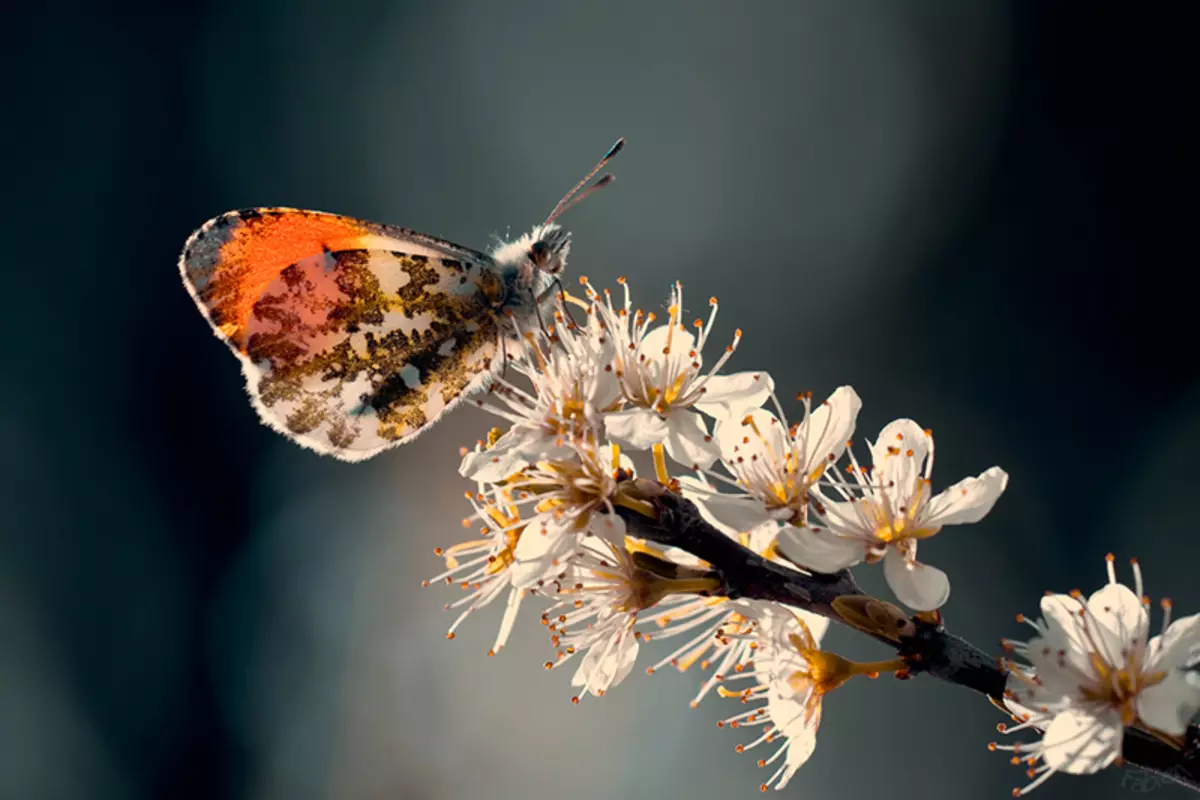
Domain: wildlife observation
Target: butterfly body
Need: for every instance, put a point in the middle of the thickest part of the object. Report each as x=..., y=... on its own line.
x=355, y=336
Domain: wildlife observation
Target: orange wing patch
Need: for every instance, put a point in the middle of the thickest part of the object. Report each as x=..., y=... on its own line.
x=230, y=261
x=353, y=336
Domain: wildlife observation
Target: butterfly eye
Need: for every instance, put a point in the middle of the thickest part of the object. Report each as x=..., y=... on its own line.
x=539, y=253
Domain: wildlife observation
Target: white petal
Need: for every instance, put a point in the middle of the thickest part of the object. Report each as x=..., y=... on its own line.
x=801, y=735
x=539, y=555
x=820, y=551
x=1059, y=678
x=969, y=500
x=607, y=389
x=855, y=519
x=899, y=456
x=785, y=706
x=688, y=442
x=681, y=345
x=761, y=538
x=777, y=657
x=1178, y=645
x=1026, y=699
x=758, y=434
x=919, y=586
x=728, y=396
x=636, y=428
x=1064, y=631
x=735, y=513
x=1079, y=744
x=607, y=526
x=1169, y=706
x=1124, y=621
x=822, y=437
x=698, y=492
x=516, y=449
x=606, y=663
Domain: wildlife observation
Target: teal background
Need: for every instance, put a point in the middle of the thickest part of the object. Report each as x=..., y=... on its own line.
x=981, y=215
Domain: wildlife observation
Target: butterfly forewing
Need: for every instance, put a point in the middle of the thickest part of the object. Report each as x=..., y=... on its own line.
x=353, y=336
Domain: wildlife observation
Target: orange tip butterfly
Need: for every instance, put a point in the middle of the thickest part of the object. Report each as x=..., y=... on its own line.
x=356, y=336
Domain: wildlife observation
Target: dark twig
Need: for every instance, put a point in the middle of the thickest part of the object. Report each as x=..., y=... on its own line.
x=921, y=640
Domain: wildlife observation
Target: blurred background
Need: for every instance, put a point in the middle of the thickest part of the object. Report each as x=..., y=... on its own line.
x=979, y=214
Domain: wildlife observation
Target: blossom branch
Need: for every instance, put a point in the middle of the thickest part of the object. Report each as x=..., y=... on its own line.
x=922, y=641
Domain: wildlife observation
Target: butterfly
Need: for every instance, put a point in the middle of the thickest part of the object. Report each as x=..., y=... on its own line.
x=356, y=336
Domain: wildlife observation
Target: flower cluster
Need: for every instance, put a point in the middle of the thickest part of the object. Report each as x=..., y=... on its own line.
x=1092, y=671
x=603, y=381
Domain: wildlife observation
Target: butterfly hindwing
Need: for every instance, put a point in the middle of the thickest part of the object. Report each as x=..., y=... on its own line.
x=353, y=336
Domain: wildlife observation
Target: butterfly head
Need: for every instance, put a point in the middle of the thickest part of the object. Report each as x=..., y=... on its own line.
x=543, y=250
x=548, y=244
x=548, y=249
x=537, y=259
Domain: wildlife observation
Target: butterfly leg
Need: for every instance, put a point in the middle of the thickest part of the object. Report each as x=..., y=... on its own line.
x=562, y=292
x=537, y=308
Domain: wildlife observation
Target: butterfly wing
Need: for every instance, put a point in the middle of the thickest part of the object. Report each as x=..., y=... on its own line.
x=353, y=336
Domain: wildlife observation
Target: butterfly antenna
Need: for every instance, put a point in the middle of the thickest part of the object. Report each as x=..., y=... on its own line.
x=569, y=199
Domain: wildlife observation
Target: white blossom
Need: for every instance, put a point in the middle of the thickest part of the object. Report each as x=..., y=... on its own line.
x=719, y=630
x=569, y=497
x=774, y=466
x=1093, y=671
x=553, y=496
x=572, y=389
x=786, y=695
x=887, y=510
x=599, y=600
x=664, y=384
x=482, y=567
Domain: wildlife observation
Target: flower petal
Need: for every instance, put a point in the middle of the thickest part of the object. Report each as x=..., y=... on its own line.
x=1058, y=675
x=1029, y=700
x=899, y=455
x=518, y=448
x=761, y=539
x=969, y=500
x=539, y=552
x=856, y=519
x=919, y=586
x=636, y=428
x=1060, y=616
x=609, y=527
x=820, y=550
x=664, y=348
x=607, y=663
x=1123, y=620
x=1079, y=743
x=1169, y=706
x=727, y=396
x=792, y=721
x=758, y=434
x=1177, y=646
x=734, y=513
x=821, y=438
x=688, y=442
x=605, y=391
